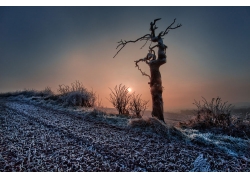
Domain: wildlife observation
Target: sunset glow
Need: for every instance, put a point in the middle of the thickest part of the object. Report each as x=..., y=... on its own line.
x=48, y=46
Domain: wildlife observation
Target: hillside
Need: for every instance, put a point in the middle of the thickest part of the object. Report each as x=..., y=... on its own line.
x=35, y=137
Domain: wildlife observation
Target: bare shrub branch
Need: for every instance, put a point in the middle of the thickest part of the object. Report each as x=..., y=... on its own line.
x=120, y=98
x=137, y=106
x=214, y=113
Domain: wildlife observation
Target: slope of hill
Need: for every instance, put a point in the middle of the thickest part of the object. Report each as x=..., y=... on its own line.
x=35, y=137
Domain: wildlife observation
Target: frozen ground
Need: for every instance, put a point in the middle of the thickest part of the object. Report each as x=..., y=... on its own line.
x=34, y=137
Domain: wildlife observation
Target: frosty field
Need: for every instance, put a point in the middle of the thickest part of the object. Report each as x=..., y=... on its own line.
x=38, y=137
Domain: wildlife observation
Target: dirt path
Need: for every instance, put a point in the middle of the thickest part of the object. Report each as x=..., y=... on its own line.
x=35, y=138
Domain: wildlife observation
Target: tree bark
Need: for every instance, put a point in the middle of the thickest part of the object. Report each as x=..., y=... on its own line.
x=156, y=90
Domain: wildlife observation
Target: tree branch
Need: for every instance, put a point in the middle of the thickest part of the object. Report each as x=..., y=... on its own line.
x=136, y=65
x=145, y=43
x=147, y=37
x=123, y=43
x=170, y=27
x=153, y=27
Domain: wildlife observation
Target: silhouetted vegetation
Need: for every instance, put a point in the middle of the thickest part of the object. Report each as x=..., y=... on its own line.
x=137, y=106
x=120, y=98
x=125, y=102
x=216, y=116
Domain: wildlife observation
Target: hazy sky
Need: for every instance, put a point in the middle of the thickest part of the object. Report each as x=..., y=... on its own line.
x=208, y=56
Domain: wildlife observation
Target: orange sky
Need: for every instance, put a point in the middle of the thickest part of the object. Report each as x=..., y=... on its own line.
x=208, y=56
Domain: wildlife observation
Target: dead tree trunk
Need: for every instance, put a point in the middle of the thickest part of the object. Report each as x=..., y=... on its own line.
x=155, y=80
x=156, y=92
x=154, y=65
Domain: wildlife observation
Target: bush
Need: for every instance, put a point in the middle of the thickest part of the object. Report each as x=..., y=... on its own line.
x=77, y=95
x=120, y=98
x=216, y=116
x=213, y=114
x=137, y=106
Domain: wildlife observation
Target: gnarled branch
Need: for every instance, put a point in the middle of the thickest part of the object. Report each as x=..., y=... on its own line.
x=170, y=27
x=148, y=59
x=153, y=27
x=145, y=43
x=147, y=37
x=136, y=65
x=123, y=43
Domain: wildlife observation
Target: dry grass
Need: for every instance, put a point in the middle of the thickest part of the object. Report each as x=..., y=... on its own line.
x=154, y=125
x=29, y=93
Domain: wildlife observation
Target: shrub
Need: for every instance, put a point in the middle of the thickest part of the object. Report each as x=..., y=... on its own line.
x=214, y=113
x=76, y=95
x=137, y=106
x=120, y=98
x=216, y=116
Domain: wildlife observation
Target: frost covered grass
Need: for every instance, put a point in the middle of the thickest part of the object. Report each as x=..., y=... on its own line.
x=230, y=145
x=216, y=117
x=153, y=125
x=233, y=146
x=74, y=95
x=29, y=93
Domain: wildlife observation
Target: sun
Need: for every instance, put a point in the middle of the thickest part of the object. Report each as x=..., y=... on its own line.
x=129, y=89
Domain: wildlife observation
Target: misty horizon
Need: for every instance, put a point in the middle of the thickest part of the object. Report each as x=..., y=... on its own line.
x=48, y=46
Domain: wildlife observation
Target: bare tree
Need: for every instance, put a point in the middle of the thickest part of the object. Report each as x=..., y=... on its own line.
x=154, y=63
x=120, y=98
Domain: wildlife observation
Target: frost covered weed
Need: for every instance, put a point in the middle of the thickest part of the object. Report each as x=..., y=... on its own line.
x=230, y=145
x=216, y=116
x=76, y=95
x=213, y=114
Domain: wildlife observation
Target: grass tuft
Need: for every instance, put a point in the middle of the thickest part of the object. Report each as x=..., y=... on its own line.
x=154, y=125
